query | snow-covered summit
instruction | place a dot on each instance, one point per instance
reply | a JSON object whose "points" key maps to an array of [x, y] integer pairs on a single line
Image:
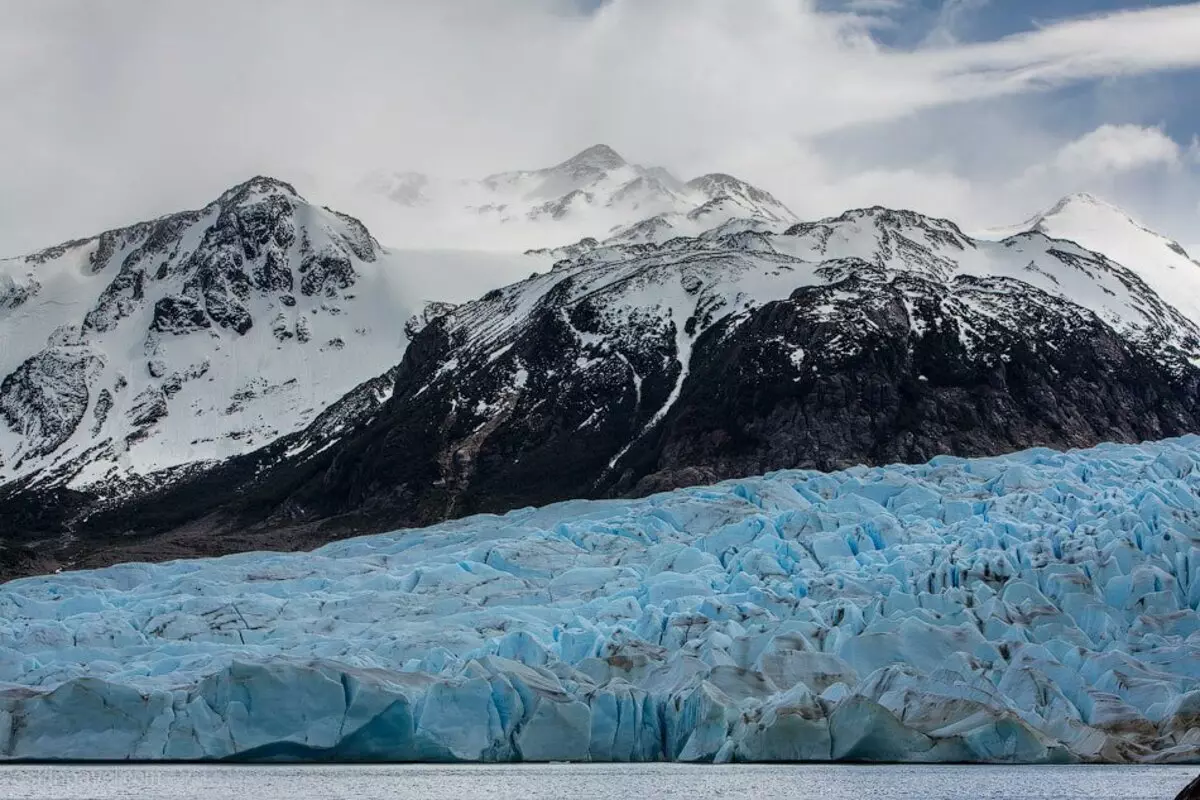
{"points": [[1099, 225], [223, 321], [593, 161], [757, 202], [594, 193]]}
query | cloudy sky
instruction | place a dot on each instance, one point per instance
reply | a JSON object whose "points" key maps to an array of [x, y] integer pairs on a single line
{"points": [[982, 110]]}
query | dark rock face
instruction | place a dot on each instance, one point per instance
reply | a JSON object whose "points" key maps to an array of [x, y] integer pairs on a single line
{"points": [[45, 398], [148, 408], [1191, 791], [13, 294], [867, 390], [432, 310], [104, 404], [178, 315], [325, 274]]}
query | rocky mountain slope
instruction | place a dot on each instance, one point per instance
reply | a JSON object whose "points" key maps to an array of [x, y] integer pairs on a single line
{"points": [[145, 354], [190, 338], [592, 194], [240, 322], [872, 337]]}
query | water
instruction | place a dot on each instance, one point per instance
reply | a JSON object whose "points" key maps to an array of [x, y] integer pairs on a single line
{"points": [[592, 782]]}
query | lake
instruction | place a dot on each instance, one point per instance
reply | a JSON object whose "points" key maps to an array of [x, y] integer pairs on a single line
{"points": [[624, 781]]}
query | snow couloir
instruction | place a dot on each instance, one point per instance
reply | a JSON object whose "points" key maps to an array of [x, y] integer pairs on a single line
{"points": [[1035, 607]]}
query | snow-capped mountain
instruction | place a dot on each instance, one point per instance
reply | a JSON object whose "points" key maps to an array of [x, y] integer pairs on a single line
{"points": [[595, 193], [877, 336], [634, 364], [1162, 263], [194, 337]]}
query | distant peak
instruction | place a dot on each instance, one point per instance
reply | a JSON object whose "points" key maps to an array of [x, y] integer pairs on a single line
{"points": [[717, 179], [599, 156], [1079, 208], [257, 186], [1081, 199], [720, 184], [1082, 217]]}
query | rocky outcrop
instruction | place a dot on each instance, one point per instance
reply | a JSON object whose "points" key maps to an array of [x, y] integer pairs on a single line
{"points": [[45, 399], [432, 310]]}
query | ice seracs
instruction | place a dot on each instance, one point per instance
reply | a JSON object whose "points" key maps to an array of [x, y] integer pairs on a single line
{"points": [[1035, 607]]}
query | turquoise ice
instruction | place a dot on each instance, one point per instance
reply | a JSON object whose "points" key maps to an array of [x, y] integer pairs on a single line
{"points": [[1035, 607]]}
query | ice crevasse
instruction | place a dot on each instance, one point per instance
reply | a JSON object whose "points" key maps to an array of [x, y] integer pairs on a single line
{"points": [[1035, 607]]}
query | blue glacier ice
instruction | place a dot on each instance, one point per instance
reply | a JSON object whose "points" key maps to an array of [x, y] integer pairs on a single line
{"points": [[1035, 607]]}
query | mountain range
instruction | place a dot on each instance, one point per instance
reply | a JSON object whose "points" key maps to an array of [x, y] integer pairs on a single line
{"points": [[596, 193], [263, 373]]}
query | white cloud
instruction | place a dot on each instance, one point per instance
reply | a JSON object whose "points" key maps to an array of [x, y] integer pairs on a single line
{"points": [[115, 112], [1123, 43], [950, 19], [1118, 148], [1100, 159]]}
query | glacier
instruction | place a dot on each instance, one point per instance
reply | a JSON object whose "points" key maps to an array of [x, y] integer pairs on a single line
{"points": [[1034, 607]]}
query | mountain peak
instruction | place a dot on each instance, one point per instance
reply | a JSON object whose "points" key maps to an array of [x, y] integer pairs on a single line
{"points": [[717, 179], [1081, 200], [716, 185], [1080, 216], [1083, 197], [1083, 211], [598, 156], [259, 186], [1102, 227]]}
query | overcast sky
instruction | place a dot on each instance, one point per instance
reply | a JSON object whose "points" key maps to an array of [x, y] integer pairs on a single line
{"points": [[982, 111]]}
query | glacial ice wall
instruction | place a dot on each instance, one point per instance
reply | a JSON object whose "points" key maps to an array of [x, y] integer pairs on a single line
{"points": [[1035, 607]]}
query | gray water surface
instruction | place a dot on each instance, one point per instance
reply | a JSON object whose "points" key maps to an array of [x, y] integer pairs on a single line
{"points": [[586, 781]]}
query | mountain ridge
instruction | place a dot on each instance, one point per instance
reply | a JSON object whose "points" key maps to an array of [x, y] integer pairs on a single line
{"points": [[594, 193], [630, 367]]}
